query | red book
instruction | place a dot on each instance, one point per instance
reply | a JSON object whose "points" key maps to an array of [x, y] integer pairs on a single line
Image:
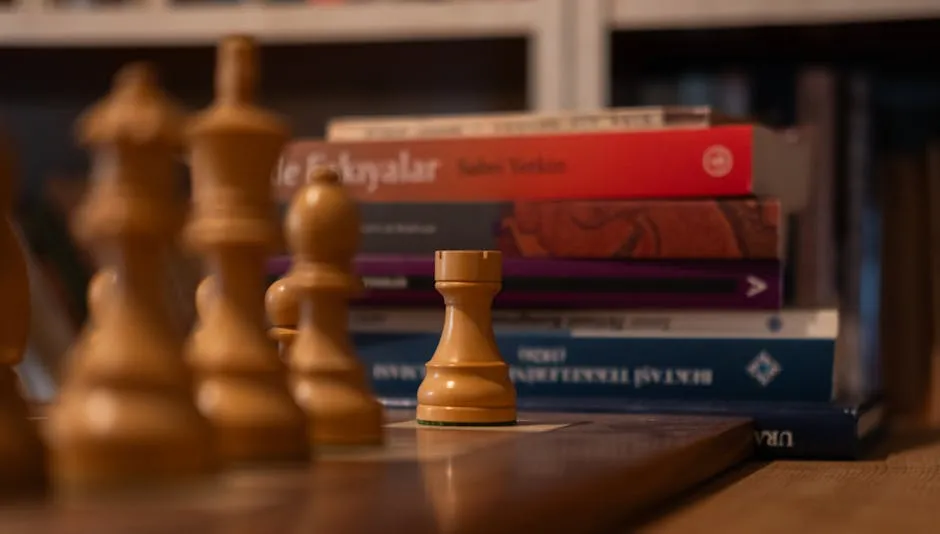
{"points": [[729, 229], [704, 163]]}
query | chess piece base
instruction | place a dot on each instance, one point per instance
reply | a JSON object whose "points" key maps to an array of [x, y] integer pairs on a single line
{"points": [[345, 418], [80, 473], [253, 421], [101, 439], [465, 416]]}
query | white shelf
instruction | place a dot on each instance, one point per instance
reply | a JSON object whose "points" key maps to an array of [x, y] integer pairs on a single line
{"points": [[164, 25], [679, 14], [35, 23]]}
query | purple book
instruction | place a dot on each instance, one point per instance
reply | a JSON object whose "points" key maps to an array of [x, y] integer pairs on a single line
{"points": [[551, 283]]}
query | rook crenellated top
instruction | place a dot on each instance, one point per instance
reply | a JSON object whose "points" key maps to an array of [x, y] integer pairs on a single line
{"points": [[468, 266]]}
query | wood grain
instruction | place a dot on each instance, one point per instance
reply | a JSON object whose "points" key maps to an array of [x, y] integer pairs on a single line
{"points": [[589, 475], [895, 490]]}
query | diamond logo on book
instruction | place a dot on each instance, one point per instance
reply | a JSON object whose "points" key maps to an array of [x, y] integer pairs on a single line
{"points": [[764, 368]]}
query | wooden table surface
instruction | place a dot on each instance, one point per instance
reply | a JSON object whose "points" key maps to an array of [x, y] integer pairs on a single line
{"points": [[552, 472], [895, 490]]}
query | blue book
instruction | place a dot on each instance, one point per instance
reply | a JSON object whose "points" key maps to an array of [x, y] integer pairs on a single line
{"points": [[547, 365], [810, 431], [739, 357], [754, 356], [834, 431]]}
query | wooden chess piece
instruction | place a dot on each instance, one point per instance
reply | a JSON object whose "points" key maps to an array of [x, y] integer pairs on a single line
{"points": [[241, 383], [99, 291], [283, 312], [467, 381], [125, 413], [22, 454], [329, 381], [203, 302]]}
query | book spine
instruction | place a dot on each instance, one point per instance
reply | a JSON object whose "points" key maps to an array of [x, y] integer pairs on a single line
{"points": [[823, 436], [545, 365], [784, 324], [825, 433], [643, 229], [702, 163], [505, 124], [732, 293], [423, 228], [736, 229], [558, 284]]}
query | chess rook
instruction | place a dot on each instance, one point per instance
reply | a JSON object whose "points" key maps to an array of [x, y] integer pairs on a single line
{"points": [[329, 381], [22, 456], [125, 413], [467, 381], [241, 383]]}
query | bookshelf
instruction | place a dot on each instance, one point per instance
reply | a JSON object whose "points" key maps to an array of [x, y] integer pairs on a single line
{"points": [[37, 23], [568, 54], [596, 20]]}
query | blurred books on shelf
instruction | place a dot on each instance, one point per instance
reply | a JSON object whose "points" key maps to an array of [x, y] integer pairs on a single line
{"points": [[620, 215]]}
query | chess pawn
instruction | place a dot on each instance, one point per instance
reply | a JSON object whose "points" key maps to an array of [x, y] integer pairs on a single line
{"points": [[283, 312], [125, 413], [22, 455], [322, 232], [241, 383], [467, 381]]}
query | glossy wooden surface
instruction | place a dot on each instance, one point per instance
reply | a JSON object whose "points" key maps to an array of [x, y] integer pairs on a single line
{"points": [[555, 472], [894, 489]]}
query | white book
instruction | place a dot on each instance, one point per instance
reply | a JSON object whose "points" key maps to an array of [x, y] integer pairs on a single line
{"points": [[786, 324]]}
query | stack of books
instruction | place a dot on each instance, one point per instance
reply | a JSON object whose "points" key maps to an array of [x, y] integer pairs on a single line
{"points": [[645, 253]]}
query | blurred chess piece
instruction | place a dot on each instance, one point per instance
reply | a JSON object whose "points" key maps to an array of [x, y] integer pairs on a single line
{"points": [[22, 454], [125, 414], [100, 290], [329, 381], [283, 313], [467, 381], [241, 383]]}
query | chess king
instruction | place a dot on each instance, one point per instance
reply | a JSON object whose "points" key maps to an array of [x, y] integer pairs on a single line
{"points": [[241, 384], [125, 413]]}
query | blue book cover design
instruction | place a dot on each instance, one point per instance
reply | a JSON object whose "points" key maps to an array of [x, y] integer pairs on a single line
{"points": [[559, 365]]}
